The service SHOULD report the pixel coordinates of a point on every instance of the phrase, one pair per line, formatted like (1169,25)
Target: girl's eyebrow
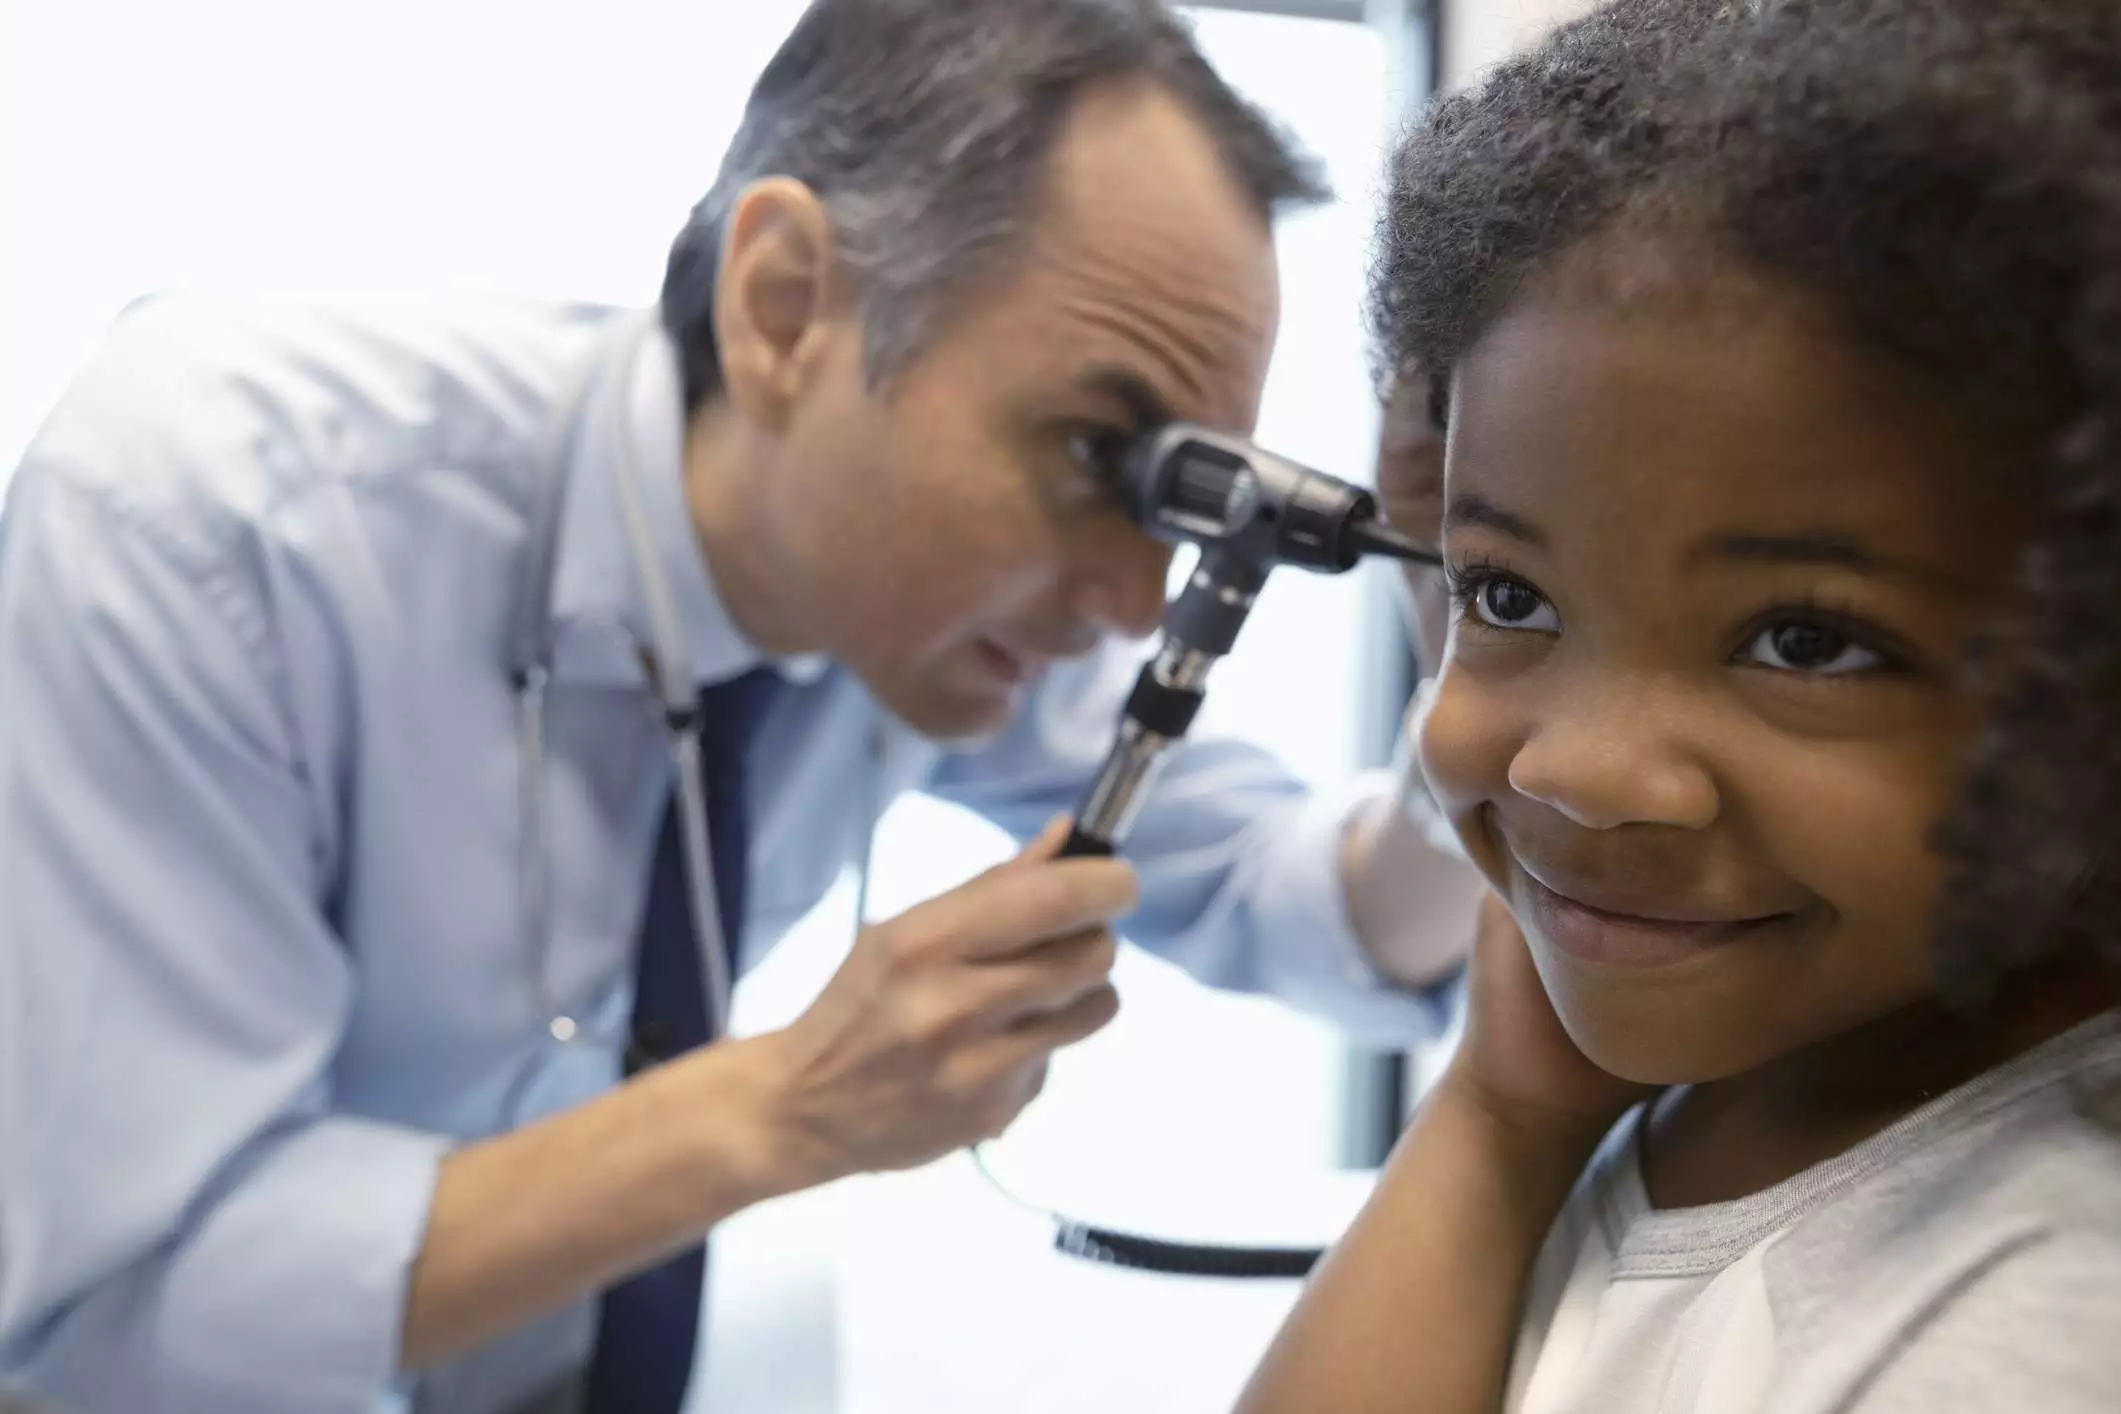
(1817,548)
(1821,548)
(1824,549)
(1469,510)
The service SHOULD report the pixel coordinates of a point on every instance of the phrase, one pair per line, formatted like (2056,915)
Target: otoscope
(1248,510)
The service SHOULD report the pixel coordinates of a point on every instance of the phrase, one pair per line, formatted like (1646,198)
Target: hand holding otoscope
(1249,511)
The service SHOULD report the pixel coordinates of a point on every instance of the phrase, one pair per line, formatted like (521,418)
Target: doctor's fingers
(1015,1058)
(1044,980)
(1015,910)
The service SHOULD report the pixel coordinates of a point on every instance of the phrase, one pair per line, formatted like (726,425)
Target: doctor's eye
(1098,453)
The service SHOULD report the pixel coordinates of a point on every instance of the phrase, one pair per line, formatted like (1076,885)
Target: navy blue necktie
(648,1323)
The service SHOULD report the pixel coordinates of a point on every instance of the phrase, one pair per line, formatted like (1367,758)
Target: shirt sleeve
(185,1223)
(1239,859)
(2033,1328)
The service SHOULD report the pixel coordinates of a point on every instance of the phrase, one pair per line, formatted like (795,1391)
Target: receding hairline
(1060,230)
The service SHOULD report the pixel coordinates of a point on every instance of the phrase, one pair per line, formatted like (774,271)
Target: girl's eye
(1801,646)
(1501,601)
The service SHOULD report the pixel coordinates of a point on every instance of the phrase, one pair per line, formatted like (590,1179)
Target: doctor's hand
(935,1032)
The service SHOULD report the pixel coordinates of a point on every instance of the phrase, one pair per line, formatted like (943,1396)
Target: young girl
(1782,705)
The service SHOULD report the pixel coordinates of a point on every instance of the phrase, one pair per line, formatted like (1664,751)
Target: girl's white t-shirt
(1967,1258)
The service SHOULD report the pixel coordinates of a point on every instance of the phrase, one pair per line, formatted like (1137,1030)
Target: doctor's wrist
(739,1147)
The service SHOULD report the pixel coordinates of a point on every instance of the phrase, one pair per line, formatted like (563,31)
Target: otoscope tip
(1372,537)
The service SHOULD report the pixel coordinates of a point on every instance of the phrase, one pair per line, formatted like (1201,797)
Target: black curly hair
(1944,175)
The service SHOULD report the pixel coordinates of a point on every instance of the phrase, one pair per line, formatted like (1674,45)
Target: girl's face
(1714,570)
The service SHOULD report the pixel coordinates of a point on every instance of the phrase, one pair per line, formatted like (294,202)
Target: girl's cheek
(1464,743)
(1427,605)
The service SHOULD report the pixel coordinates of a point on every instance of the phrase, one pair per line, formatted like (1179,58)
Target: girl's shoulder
(1980,1266)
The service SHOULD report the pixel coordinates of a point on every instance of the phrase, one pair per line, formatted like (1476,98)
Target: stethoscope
(531,646)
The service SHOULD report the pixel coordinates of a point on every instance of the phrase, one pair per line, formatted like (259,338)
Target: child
(1782,704)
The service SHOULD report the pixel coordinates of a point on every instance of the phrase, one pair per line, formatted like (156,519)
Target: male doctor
(402,707)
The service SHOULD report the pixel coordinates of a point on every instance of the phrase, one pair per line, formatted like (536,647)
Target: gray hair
(924,126)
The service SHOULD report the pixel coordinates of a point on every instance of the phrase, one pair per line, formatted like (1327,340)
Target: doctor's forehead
(1146,258)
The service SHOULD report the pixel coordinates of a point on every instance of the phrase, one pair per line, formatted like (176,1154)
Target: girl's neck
(1730,1138)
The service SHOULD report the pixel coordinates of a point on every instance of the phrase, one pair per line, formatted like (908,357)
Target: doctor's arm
(187,1218)
(930,1037)
(183,1217)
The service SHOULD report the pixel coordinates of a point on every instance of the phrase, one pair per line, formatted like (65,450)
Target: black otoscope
(1249,511)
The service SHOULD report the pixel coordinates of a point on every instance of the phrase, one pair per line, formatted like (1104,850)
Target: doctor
(414,715)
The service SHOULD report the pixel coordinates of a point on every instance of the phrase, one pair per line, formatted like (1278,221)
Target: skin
(1714,567)
(1146,291)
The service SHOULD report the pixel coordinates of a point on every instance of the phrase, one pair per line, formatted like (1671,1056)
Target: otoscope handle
(1199,627)
(1081,844)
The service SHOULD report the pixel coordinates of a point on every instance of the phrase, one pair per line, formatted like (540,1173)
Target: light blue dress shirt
(262,961)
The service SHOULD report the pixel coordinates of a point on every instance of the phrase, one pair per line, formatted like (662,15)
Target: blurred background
(553,147)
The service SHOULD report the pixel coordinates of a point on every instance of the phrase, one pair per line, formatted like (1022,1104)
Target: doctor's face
(941,535)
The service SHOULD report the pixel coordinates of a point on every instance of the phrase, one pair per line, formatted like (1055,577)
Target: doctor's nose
(1122,589)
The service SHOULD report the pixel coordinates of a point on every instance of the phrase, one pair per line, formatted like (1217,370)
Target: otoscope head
(1183,482)
(1248,510)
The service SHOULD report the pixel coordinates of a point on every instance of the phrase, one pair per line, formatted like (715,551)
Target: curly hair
(1944,177)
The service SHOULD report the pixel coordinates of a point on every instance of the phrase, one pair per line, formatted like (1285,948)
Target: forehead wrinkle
(1163,298)
(1175,370)
(1145,274)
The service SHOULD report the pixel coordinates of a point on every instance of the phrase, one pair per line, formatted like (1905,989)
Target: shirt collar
(599,599)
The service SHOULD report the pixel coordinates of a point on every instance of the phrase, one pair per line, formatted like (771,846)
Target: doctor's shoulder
(204,413)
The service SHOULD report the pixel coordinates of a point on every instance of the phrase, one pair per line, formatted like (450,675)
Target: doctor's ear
(778,296)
